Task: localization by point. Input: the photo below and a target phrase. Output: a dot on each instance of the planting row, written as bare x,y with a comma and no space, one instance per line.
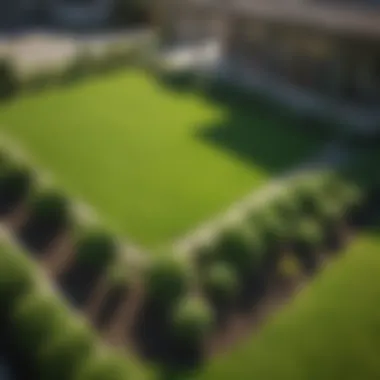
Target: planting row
233,268
56,342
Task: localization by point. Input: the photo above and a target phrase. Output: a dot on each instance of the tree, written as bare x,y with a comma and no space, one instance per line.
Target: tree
241,247
221,283
168,278
192,320
66,352
16,277
96,248
36,318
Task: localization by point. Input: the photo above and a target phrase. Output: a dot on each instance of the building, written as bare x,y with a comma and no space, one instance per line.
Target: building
68,13
318,56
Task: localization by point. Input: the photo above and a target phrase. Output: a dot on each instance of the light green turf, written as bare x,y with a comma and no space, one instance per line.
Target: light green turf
135,152
331,331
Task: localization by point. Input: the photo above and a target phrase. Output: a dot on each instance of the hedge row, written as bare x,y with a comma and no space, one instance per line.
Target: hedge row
85,63
300,218
60,346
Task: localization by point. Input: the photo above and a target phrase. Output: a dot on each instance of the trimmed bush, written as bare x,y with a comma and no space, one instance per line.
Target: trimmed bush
36,318
97,249
330,213
192,320
66,352
240,247
308,235
168,277
16,277
221,283
50,207
286,204
15,183
109,367
310,196
273,228
8,79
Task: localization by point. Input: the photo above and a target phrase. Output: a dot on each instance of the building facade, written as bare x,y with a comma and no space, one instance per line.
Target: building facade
312,54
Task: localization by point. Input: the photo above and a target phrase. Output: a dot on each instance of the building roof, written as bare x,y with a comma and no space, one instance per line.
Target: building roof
339,17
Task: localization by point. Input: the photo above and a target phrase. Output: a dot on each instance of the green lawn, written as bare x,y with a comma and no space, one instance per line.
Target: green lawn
331,331
151,161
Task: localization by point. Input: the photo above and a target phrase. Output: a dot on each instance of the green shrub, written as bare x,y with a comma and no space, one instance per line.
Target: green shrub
309,195
221,283
330,214
286,204
273,228
66,352
50,207
192,320
82,65
36,318
110,367
16,277
115,57
15,183
8,79
96,248
168,277
308,235
240,247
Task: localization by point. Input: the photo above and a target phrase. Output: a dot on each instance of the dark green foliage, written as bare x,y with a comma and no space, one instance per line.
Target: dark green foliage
81,66
240,247
221,283
331,213
50,208
115,57
36,318
8,79
16,277
287,206
192,320
308,235
15,183
309,196
168,278
105,368
66,352
96,248
273,228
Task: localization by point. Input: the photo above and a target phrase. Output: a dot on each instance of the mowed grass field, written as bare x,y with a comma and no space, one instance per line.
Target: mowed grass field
152,162
330,331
